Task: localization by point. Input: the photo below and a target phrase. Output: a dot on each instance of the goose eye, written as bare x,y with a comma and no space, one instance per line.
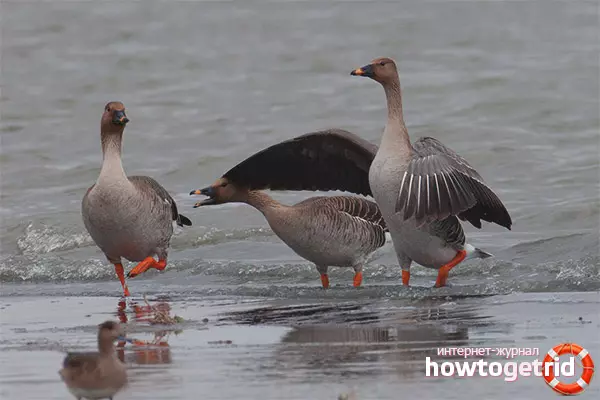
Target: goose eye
223,184
382,63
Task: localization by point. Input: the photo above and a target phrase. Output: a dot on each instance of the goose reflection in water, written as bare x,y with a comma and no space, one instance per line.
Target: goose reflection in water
155,350
364,349
351,338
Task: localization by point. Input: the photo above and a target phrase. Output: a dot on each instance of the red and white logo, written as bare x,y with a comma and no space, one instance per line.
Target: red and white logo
551,364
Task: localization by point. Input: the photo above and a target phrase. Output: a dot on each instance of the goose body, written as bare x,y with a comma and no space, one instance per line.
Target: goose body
96,375
128,217
431,245
337,231
423,188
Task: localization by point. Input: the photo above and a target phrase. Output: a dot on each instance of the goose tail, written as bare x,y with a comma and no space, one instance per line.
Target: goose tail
474,252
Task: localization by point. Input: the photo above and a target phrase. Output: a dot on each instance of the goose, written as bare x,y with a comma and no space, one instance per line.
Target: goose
128,217
424,188
96,375
339,231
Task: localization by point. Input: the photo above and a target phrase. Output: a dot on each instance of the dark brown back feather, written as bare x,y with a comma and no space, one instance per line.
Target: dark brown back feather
163,195
355,206
81,360
358,207
333,159
450,230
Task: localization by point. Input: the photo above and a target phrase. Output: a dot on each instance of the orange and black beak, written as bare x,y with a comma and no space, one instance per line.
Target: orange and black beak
207,191
367,71
119,117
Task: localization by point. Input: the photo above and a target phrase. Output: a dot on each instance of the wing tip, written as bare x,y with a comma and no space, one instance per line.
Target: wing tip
184,221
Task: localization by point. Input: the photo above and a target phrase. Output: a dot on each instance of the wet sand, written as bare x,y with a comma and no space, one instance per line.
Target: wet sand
251,348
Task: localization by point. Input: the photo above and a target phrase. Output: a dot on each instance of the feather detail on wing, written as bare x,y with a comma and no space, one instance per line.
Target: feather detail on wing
146,183
439,183
357,207
363,212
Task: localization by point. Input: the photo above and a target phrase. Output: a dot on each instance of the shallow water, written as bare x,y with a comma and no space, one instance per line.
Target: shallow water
292,349
512,86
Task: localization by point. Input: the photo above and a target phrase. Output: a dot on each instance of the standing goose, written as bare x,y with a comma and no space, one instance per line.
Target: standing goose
422,188
96,375
130,217
337,231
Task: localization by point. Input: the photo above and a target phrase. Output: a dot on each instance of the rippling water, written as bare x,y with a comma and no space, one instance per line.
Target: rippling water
512,86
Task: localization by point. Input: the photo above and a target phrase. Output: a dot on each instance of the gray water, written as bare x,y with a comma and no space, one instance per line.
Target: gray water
512,86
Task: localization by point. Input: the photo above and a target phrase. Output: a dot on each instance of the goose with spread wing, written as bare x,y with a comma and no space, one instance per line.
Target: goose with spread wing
424,188
328,231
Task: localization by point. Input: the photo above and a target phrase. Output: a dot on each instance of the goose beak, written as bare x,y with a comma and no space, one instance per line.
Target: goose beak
119,117
367,71
207,191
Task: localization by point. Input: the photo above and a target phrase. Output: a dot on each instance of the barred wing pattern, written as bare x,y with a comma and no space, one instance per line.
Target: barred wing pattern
364,211
147,183
439,183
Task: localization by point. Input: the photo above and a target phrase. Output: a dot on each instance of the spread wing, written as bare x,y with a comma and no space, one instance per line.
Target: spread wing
333,159
439,183
145,183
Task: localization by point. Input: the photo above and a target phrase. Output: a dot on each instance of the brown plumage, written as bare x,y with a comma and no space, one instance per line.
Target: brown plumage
328,231
336,159
127,217
304,163
96,375
422,188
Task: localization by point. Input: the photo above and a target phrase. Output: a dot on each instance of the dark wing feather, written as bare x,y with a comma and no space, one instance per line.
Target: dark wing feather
333,159
439,183
450,231
162,193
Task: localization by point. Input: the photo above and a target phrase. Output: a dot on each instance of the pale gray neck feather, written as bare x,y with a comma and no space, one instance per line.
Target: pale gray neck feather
395,136
112,167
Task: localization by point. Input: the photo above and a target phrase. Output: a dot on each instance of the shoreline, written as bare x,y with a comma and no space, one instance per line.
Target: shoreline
254,348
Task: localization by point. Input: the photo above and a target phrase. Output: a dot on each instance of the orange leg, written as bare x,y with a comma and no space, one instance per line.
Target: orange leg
121,274
358,279
121,311
443,272
405,277
145,265
325,281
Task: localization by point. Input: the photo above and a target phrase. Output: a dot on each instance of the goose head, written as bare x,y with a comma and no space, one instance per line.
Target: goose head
382,70
220,192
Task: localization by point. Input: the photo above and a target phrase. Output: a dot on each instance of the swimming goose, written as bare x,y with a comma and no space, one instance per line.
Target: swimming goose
129,217
96,375
422,188
328,231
